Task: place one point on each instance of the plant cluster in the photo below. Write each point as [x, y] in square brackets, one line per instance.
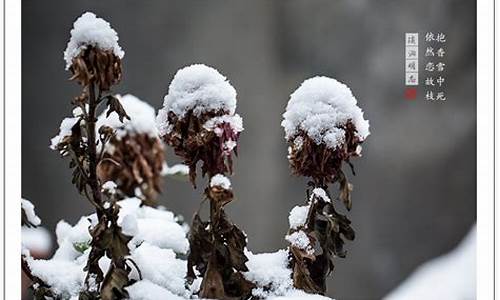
[324, 128]
[131, 248]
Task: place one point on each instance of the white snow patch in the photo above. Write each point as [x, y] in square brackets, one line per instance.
[298, 216]
[220, 180]
[235, 122]
[64, 131]
[37, 239]
[269, 270]
[450, 276]
[129, 225]
[29, 211]
[177, 170]
[109, 186]
[64, 277]
[89, 30]
[298, 295]
[157, 238]
[321, 193]
[161, 233]
[300, 240]
[298, 142]
[199, 88]
[318, 107]
[142, 118]
[160, 266]
[146, 290]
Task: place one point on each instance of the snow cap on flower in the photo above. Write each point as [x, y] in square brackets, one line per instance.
[324, 127]
[197, 88]
[321, 108]
[93, 55]
[89, 30]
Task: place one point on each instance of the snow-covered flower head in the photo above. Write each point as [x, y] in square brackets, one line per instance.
[134, 155]
[198, 119]
[93, 52]
[322, 119]
[198, 89]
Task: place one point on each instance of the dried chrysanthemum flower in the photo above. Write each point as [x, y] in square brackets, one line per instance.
[134, 156]
[93, 53]
[324, 127]
[198, 119]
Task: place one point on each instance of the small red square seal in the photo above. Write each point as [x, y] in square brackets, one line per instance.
[411, 93]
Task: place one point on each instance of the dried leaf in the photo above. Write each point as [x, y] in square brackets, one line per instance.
[114, 283]
[114, 105]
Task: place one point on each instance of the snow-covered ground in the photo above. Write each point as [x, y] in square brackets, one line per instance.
[451, 276]
[158, 247]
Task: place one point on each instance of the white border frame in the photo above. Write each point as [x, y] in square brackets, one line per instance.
[12, 154]
[12, 159]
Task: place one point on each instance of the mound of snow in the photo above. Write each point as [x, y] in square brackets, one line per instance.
[89, 30]
[320, 107]
[198, 88]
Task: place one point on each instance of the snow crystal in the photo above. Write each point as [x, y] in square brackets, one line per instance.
[146, 290]
[29, 211]
[160, 266]
[220, 180]
[142, 118]
[270, 271]
[300, 240]
[321, 193]
[109, 186]
[197, 87]
[298, 216]
[318, 107]
[37, 239]
[235, 122]
[64, 131]
[89, 30]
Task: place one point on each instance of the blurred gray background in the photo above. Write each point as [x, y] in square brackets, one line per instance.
[415, 189]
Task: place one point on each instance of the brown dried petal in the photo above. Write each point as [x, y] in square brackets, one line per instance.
[136, 162]
[98, 66]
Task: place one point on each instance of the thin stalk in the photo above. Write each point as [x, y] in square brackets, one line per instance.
[92, 149]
